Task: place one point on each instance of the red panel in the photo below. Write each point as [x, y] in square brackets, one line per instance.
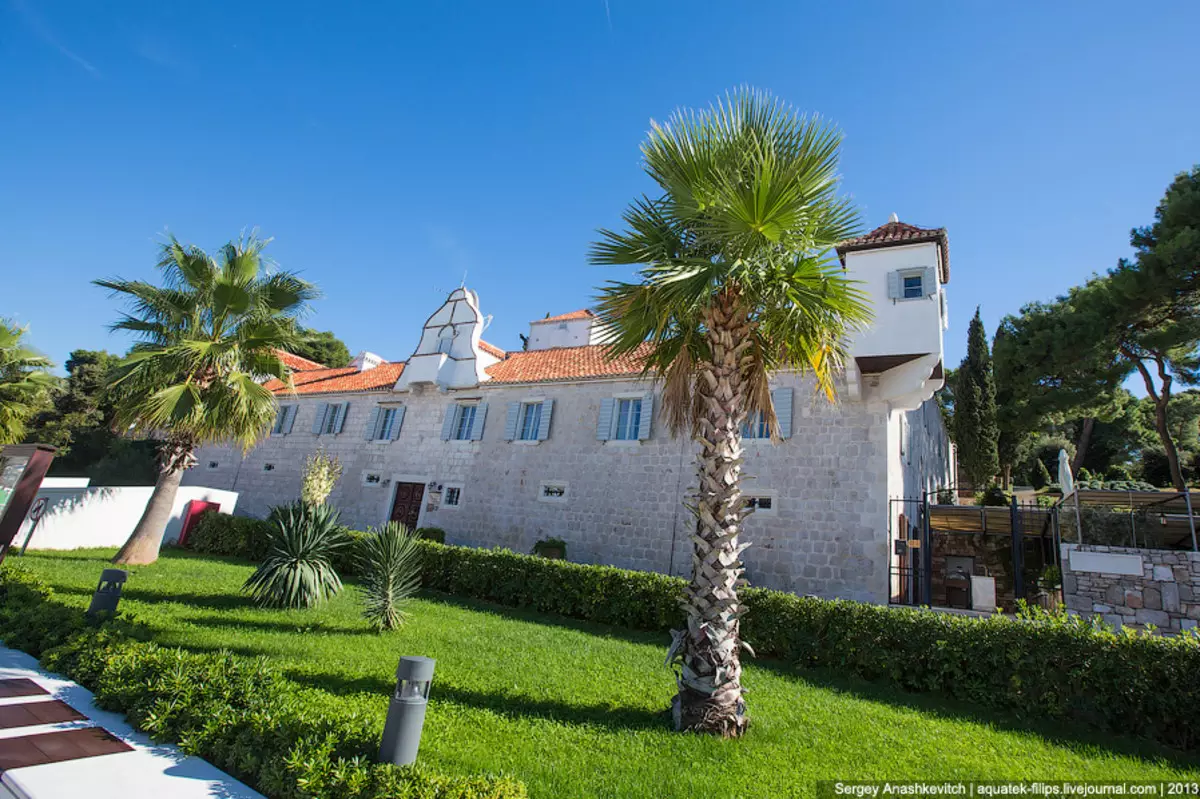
[192, 516]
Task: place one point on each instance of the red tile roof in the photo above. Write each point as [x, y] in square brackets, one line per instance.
[296, 363]
[340, 381]
[894, 234]
[491, 349]
[566, 317]
[564, 363]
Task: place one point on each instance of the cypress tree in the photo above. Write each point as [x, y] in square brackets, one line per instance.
[975, 429]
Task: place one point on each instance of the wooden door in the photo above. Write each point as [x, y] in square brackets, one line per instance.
[406, 507]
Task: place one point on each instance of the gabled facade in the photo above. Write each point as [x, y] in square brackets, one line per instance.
[505, 448]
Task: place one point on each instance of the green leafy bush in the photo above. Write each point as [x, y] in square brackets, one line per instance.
[238, 713]
[297, 571]
[550, 548]
[432, 534]
[389, 564]
[225, 534]
[993, 496]
[1048, 665]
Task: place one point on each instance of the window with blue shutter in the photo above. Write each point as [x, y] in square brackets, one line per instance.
[397, 423]
[531, 420]
[512, 420]
[284, 418]
[543, 431]
[646, 418]
[466, 419]
[781, 398]
[372, 431]
[478, 422]
[604, 425]
[319, 419]
[628, 419]
[450, 423]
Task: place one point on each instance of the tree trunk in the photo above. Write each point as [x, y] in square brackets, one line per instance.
[142, 547]
[1162, 399]
[708, 653]
[1007, 477]
[1081, 446]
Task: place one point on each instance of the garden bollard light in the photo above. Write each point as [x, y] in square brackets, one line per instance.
[406, 712]
[108, 592]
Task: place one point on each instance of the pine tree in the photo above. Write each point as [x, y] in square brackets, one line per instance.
[975, 429]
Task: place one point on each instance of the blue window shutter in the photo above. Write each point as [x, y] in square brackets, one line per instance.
[478, 421]
[781, 398]
[291, 419]
[452, 411]
[510, 422]
[343, 412]
[319, 419]
[373, 425]
[605, 422]
[646, 421]
[929, 281]
[399, 420]
[893, 287]
[543, 431]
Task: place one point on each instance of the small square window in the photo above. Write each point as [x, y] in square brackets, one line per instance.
[760, 504]
[453, 496]
[629, 418]
[913, 288]
[213, 464]
[268, 467]
[372, 480]
[552, 491]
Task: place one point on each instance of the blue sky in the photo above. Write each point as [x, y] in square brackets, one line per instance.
[390, 148]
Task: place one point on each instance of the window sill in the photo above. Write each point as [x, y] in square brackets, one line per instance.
[526, 442]
[623, 442]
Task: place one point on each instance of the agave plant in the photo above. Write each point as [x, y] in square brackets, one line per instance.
[297, 571]
[389, 561]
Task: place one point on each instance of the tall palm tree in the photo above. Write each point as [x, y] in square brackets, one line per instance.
[24, 381]
[209, 336]
[736, 282]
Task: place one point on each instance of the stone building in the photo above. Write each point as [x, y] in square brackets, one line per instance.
[503, 448]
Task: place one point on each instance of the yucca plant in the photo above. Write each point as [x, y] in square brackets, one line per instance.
[298, 569]
[389, 562]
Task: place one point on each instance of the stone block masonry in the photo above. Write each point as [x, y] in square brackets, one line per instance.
[1166, 594]
[825, 532]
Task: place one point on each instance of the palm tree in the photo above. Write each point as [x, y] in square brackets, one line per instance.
[209, 337]
[736, 282]
[24, 381]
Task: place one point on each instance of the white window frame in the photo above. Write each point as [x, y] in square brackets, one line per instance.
[526, 407]
[632, 427]
[905, 274]
[758, 427]
[384, 431]
[563, 484]
[460, 409]
[446, 496]
[768, 494]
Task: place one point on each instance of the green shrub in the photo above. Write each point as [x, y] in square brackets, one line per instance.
[993, 496]
[297, 572]
[432, 534]
[550, 548]
[641, 600]
[225, 534]
[236, 712]
[1047, 665]
[389, 564]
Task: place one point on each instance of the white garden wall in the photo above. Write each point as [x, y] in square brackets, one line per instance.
[101, 516]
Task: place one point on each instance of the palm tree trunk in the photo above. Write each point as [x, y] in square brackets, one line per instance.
[146, 540]
[708, 653]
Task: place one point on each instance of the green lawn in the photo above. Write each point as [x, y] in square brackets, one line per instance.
[577, 710]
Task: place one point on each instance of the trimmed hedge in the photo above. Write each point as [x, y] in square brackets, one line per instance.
[1042, 665]
[238, 713]
[225, 534]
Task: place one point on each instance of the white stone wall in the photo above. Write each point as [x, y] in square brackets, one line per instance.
[826, 533]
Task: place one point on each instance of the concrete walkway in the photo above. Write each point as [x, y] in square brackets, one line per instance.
[55, 743]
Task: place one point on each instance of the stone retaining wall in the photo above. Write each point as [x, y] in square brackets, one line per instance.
[1166, 592]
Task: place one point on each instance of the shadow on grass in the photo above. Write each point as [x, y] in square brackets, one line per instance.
[512, 705]
[938, 706]
[281, 626]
